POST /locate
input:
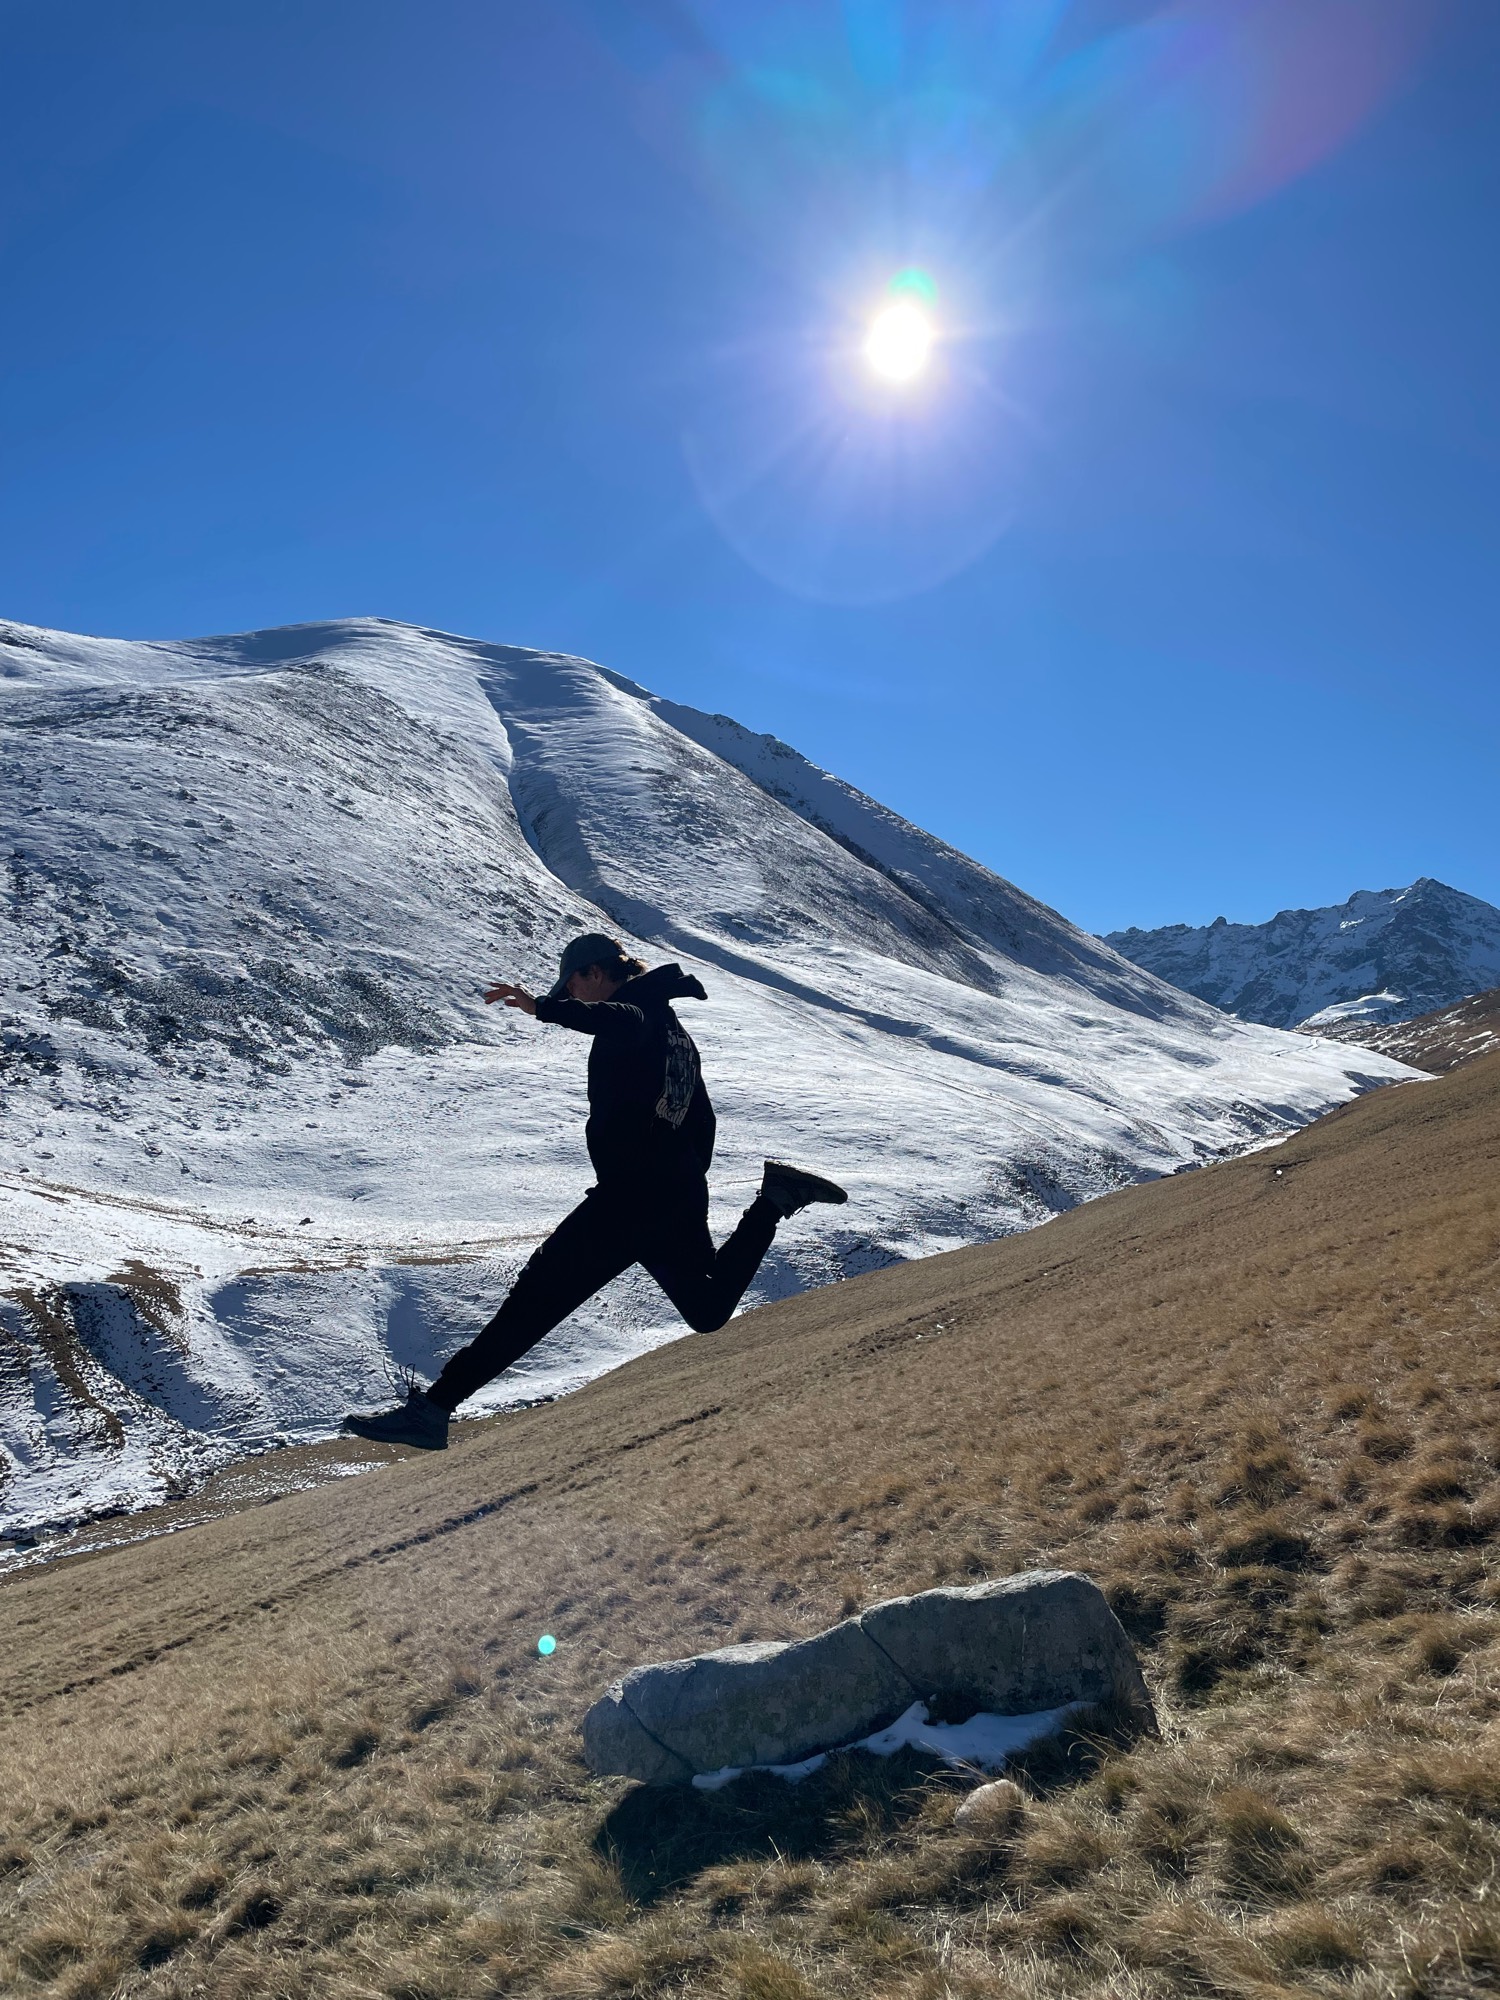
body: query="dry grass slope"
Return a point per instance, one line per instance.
(310, 1750)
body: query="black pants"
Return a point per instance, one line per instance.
(663, 1227)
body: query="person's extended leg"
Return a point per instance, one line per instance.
(586, 1250)
(662, 1225)
(706, 1284)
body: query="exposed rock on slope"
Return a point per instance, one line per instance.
(1039, 1641)
(1385, 955)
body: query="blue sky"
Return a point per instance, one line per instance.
(1170, 592)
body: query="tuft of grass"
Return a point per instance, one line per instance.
(759, 1975)
(353, 1745)
(662, 1953)
(1311, 1937)
(49, 1948)
(1260, 1473)
(255, 1908)
(1439, 1643)
(1060, 1850)
(1063, 1924)
(161, 1934)
(1267, 1541)
(1464, 1961)
(1260, 1851)
(1383, 1442)
(1438, 1478)
(1197, 1949)
(1466, 1779)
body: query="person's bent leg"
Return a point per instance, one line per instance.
(586, 1250)
(706, 1284)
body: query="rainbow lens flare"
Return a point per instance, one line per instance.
(854, 439)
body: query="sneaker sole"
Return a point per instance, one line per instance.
(826, 1191)
(355, 1429)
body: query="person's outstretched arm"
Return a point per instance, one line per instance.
(513, 996)
(589, 1017)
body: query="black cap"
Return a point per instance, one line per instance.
(593, 948)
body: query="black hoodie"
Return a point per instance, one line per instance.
(648, 1108)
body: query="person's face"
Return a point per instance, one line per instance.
(593, 983)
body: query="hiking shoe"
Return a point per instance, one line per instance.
(418, 1421)
(789, 1188)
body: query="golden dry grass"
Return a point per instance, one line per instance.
(309, 1749)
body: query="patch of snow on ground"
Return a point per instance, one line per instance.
(987, 1742)
(1377, 1007)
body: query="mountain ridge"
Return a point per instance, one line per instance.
(1445, 1039)
(1383, 955)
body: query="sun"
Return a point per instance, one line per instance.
(899, 343)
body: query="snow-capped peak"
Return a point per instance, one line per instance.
(1391, 953)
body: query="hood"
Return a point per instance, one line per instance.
(661, 984)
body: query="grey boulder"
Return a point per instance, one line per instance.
(759, 1704)
(1013, 1647)
(614, 1741)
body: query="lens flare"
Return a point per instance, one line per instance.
(899, 342)
(914, 283)
(1044, 155)
(546, 1645)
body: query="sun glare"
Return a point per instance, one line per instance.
(899, 341)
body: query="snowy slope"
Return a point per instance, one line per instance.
(260, 1140)
(1385, 955)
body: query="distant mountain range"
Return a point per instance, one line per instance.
(1385, 955)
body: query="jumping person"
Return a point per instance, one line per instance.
(651, 1137)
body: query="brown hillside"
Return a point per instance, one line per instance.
(310, 1749)
(1438, 1041)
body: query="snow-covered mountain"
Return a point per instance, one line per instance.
(261, 1142)
(1385, 955)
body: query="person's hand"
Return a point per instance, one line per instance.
(513, 996)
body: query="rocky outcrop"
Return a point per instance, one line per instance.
(1013, 1647)
(1386, 955)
